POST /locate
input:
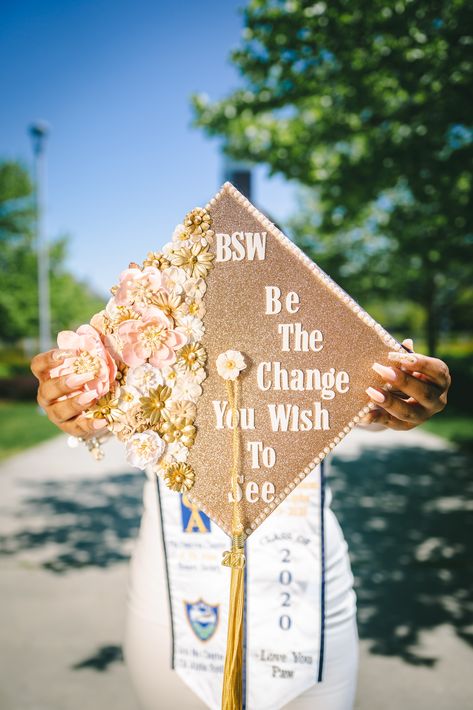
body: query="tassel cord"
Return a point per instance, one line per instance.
(233, 669)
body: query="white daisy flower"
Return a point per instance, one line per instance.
(230, 364)
(191, 327)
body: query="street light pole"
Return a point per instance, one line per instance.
(39, 132)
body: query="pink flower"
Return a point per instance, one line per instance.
(152, 338)
(88, 354)
(136, 286)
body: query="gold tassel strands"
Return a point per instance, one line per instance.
(235, 559)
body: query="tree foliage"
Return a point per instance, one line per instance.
(72, 302)
(368, 104)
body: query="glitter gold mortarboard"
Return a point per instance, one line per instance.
(239, 365)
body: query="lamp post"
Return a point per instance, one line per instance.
(39, 132)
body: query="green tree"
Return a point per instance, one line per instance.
(72, 302)
(368, 104)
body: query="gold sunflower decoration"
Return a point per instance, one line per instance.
(179, 477)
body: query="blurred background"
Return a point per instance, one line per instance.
(348, 123)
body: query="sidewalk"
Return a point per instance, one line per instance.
(67, 529)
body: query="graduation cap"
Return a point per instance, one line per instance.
(239, 365)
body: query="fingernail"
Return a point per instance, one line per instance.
(80, 379)
(375, 394)
(407, 358)
(61, 354)
(87, 397)
(99, 423)
(387, 373)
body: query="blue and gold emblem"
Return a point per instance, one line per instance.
(203, 618)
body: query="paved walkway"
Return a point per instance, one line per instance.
(67, 529)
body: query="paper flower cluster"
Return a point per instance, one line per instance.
(145, 349)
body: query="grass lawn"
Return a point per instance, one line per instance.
(22, 425)
(455, 427)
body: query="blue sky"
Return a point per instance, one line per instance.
(113, 80)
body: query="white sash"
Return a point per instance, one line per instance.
(285, 587)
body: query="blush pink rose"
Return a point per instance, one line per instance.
(88, 354)
(153, 339)
(136, 286)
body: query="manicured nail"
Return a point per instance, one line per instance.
(99, 423)
(404, 358)
(87, 397)
(61, 354)
(375, 394)
(387, 373)
(76, 380)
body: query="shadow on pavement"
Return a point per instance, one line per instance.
(101, 660)
(79, 523)
(406, 514)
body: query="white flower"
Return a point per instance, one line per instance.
(167, 249)
(144, 449)
(175, 451)
(180, 236)
(191, 327)
(160, 468)
(144, 377)
(230, 364)
(198, 375)
(169, 375)
(129, 397)
(186, 388)
(195, 288)
(174, 279)
(193, 307)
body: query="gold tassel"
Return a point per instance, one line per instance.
(235, 558)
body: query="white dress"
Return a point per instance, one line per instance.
(148, 633)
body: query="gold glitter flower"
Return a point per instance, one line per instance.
(106, 407)
(154, 404)
(197, 224)
(170, 304)
(196, 260)
(178, 429)
(156, 259)
(179, 477)
(191, 357)
(182, 410)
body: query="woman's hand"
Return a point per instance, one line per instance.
(67, 414)
(416, 389)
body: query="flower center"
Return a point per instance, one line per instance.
(230, 364)
(153, 336)
(86, 362)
